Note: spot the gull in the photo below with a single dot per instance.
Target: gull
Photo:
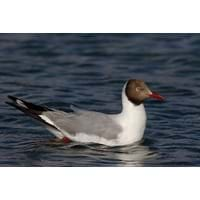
(86, 126)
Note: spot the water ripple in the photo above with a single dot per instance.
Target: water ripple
(89, 70)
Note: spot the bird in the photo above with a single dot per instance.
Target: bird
(85, 126)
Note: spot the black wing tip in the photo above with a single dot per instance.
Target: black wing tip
(15, 101)
(30, 109)
(12, 97)
(29, 105)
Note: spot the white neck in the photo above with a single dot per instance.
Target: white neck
(132, 118)
(128, 106)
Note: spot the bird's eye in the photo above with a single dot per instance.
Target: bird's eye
(139, 89)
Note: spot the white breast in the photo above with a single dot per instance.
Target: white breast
(132, 120)
(133, 125)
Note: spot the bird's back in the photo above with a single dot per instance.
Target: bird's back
(87, 122)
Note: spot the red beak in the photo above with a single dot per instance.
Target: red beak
(155, 95)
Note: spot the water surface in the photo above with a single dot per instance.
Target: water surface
(89, 70)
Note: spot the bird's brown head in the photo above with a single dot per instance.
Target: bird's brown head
(137, 91)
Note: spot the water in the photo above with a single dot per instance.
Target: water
(89, 70)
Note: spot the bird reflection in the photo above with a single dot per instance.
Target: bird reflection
(56, 153)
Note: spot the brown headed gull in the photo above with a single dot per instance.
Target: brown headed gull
(85, 126)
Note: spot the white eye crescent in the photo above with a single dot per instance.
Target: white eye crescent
(139, 89)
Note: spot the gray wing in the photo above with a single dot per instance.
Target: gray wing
(81, 121)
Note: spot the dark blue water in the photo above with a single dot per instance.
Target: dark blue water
(89, 70)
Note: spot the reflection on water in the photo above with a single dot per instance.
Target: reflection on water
(133, 155)
(89, 70)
